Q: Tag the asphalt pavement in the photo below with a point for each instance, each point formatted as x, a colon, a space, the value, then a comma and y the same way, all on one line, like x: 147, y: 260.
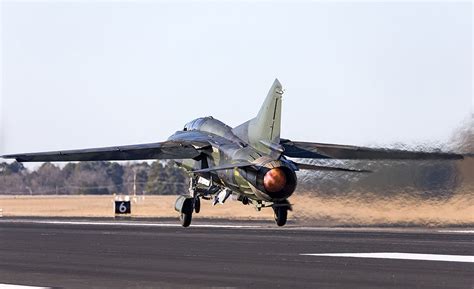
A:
x: 64, y: 253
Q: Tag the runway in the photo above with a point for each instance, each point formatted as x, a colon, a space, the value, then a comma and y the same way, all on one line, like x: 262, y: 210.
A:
x: 65, y: 253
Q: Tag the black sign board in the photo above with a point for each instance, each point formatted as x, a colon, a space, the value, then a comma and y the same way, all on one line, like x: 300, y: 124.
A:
x: 123, y: 207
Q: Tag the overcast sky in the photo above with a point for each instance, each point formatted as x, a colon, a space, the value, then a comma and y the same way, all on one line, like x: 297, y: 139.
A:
x: 84, y: 74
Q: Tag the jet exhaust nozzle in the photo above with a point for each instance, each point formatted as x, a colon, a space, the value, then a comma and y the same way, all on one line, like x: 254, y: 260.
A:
x: 274, y: 180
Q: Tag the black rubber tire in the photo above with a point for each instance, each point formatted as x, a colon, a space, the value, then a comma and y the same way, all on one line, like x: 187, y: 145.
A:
x: 186, y: 219
x: 197, y: 205
x: 281, y: 215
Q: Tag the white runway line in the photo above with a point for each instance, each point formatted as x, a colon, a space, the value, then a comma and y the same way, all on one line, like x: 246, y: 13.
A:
x: 133, y: 223
x: 457, y: 231
x: 402, y: 256
x: 13, y: 286
x: 130, y: 224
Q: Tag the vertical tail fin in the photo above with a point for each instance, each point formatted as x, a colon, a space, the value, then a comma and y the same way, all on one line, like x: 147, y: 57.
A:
x: 264, y: 130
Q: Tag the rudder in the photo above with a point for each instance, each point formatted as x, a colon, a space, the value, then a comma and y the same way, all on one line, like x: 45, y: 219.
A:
x: 264, y: 130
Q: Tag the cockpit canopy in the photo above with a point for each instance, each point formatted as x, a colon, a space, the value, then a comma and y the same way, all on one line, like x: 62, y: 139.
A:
x: 211, y: 125
x: 197, y: 123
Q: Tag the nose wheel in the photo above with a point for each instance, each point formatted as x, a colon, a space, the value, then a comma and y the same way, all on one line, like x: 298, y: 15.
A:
x: 197, y: 204
x: 281, y: 215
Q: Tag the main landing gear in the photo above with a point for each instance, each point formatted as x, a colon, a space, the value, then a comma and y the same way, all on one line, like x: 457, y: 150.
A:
x: 186, y: 218
x: 280, y: 212
x: 280, y: 215
x: 187, y: 204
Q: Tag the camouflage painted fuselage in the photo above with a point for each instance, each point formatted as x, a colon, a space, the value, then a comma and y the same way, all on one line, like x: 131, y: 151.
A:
x: 227, y: 148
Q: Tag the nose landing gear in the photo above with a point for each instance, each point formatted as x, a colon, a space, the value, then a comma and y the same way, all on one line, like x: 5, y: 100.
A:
x: 197, y: 204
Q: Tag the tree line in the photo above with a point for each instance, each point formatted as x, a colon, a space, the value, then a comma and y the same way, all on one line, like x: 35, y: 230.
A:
x: 427, y: 179
x: 97, y: 178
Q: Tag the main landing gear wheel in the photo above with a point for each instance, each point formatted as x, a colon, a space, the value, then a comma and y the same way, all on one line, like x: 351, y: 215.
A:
x: 280, y: 214
x: 185, y: 206
x: 186, y: 218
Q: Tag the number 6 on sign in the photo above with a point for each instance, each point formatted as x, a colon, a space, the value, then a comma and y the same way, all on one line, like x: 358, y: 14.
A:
x: 122, y: 207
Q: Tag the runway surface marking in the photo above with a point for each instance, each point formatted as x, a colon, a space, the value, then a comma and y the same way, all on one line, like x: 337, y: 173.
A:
x: 457, y: 231
x: 13, y: 286
x: 132, y: 224
x: 402, y: 256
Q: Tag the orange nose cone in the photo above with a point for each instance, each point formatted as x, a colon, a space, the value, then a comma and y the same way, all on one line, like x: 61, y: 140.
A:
x: 274, y: 180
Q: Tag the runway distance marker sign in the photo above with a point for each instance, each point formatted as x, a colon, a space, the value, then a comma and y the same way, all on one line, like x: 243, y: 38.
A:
x: 122, y: 205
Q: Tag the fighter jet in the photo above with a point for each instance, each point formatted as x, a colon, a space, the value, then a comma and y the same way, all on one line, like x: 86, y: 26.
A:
x: 250, y: 162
